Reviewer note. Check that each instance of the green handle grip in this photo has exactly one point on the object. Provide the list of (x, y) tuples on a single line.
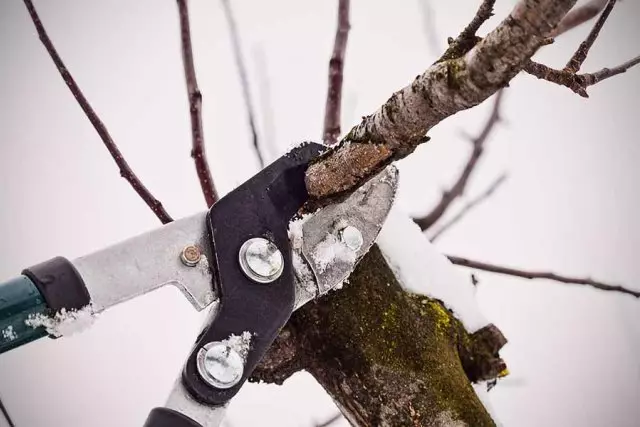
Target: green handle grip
[(19, 299)]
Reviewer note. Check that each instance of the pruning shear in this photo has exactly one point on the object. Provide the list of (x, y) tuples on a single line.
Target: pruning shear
[(252, 257)]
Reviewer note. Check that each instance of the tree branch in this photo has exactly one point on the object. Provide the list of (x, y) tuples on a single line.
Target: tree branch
[(447, 87), (526, 274), (336, 71), (125, 170), (467, 38), (579, 15), (578, 58), (469, 206), (244, 81), (578, 83), (460, 185), (195, 108), (330, 421)]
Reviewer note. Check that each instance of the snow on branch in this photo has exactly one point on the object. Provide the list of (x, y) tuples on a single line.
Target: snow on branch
[(125, 170), (195, 108), (528, 274), (445, 88), (422, 269)]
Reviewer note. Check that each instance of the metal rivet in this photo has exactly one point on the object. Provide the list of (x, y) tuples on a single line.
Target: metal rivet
[(261, 260), (351, 237), (190, 255), (220, 365)]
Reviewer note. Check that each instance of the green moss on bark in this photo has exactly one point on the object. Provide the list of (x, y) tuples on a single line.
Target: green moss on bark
[(386, 356)]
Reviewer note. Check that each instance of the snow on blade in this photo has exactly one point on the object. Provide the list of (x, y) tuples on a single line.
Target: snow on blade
[(421, 269), (332, 249), (65, 322), (9, 334), (241, 344)]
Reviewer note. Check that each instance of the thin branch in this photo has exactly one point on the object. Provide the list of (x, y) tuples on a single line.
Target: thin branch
[(525, 274), (5, 414), (470, 206), (330, 421), (578, 83), (579, 15), (460, 185), (125, 170), (467, 38), (195, 108), (429, 24), (269, 145), (578, 58), (336, 72), (244, 81)]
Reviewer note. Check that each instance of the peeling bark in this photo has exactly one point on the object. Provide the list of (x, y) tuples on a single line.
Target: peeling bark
[(387, 357), (447, 87)]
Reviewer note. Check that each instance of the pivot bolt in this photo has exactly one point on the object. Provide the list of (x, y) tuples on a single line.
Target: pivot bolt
[(261, 260), (351, 237), (220, 365), (190, 255)]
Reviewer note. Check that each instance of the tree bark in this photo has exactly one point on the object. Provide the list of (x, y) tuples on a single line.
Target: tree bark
[(388, 357)]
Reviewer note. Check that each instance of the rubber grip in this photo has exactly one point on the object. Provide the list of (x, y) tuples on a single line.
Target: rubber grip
[(164, 417), (19, 299)]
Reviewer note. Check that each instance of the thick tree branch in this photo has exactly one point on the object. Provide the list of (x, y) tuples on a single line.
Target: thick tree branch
[(578, 58), (336, 72), (195, 108), (447, 87), (526, 274), (125, 170), (469, 207), (458, 188), (579, 15), (578, 83), (244, 81)]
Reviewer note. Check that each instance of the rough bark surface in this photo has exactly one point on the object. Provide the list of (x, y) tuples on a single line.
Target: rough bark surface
[(447, 87), (388, 357)]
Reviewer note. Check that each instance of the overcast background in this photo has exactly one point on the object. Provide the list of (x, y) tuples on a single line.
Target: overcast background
[(570, 205)]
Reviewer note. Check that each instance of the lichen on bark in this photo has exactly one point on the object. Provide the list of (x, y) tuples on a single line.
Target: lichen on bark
[(387, 357)]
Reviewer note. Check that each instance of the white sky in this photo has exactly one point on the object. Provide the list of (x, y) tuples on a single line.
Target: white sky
[(570, 203)]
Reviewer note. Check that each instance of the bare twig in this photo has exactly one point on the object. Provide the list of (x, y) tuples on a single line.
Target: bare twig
[(577, 82), (330, 421), (578, 58), (429, 25), (525, 274), (244, 81), (467, 38), (195, 108), (336, 72), (469, 206), (269, 146), (125, 170), (460, 185), (579, 15), (5, 414)]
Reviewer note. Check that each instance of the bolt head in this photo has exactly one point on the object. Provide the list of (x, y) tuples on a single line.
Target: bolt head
[(190, 255), (351, 237), (261, 260), (220, 365)]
